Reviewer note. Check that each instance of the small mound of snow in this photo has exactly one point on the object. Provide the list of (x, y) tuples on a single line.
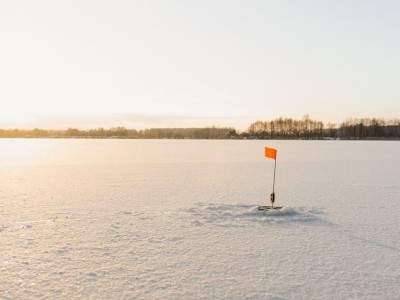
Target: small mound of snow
[(26, 226)]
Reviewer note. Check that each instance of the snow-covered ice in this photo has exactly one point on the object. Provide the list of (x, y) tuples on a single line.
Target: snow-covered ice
[(112, 219)]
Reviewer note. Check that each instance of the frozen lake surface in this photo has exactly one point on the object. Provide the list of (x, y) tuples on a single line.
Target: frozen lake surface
[(168, 219)]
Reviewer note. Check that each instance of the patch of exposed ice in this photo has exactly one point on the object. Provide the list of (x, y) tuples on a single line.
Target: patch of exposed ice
[(239, 215)]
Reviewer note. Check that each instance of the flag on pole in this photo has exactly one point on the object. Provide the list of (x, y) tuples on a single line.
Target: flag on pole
[(270, 153)]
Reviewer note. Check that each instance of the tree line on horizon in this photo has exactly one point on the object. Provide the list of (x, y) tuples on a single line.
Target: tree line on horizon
[(280, 128), (124, 133), (306, 128)]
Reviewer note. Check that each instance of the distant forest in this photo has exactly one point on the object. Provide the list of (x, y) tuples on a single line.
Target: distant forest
[(306, 128), (281, 128)]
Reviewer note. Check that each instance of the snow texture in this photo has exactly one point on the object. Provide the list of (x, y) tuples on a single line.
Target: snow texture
[(123, 219)]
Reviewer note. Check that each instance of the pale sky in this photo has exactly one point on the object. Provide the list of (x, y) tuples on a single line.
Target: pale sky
[(142, 64)]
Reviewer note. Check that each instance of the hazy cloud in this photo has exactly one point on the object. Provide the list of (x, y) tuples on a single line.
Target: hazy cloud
[(128, 120)]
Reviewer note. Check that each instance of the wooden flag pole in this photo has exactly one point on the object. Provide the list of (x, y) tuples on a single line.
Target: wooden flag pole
[(273, 187), (271, 153)]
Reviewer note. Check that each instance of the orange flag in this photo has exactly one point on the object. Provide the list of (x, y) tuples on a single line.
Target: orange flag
[(270, 152)]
